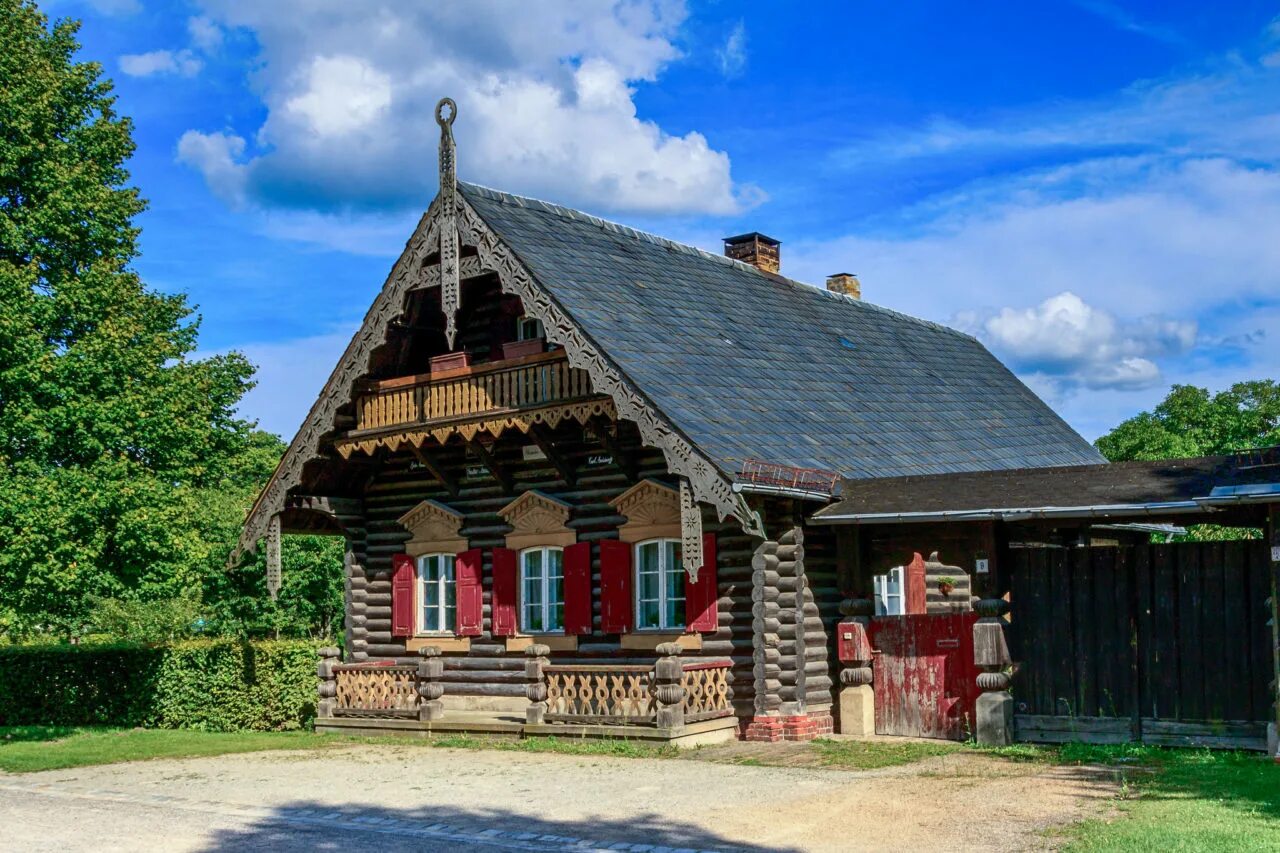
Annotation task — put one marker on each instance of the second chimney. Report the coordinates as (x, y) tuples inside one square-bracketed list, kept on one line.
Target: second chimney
[(846, 283), (755, 249)]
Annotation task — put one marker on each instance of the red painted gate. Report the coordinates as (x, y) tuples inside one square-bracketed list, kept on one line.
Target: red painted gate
[(924, 676)]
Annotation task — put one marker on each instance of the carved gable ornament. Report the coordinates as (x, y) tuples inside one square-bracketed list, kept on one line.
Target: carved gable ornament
[(434, 528), (537, 519)]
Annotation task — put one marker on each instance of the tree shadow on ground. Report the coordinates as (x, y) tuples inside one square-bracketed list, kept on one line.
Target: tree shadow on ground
[(308, 825), (1238, 780)]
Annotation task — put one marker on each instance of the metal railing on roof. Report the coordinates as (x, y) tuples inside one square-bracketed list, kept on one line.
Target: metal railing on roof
[(761, 473)]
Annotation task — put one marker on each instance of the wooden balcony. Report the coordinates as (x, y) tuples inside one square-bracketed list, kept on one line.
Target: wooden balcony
[(471, 393)]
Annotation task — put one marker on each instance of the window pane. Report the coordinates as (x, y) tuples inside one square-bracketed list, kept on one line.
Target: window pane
[(531, 572), (647, 614)]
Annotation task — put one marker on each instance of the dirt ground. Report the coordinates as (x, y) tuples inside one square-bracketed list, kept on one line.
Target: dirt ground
[(416, 798)]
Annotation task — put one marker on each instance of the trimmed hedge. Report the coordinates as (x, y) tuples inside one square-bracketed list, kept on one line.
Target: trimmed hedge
[(211, 685)]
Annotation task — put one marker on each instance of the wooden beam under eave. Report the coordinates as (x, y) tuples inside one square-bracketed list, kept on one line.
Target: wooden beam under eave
[(624, 459), (450, 483), (495, 468), (544, 442)]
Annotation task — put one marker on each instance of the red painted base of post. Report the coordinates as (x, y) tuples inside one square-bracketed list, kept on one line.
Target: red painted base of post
[(800, 727)]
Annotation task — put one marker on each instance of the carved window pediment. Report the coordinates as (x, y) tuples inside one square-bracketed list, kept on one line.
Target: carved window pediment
[(538, 519), (434, 528), (652, 510)]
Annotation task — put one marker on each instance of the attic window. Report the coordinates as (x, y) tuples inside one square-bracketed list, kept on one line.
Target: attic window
[(529, 328), (846, 343)]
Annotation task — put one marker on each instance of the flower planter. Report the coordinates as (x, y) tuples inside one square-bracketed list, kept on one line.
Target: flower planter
[(945, 588), (519, 349), (450, 361)]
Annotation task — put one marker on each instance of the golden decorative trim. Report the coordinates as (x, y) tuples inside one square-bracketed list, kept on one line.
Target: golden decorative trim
[(444, 643), (555, 642), (537, 520), (650, 640), (551, 416), (652, 510)]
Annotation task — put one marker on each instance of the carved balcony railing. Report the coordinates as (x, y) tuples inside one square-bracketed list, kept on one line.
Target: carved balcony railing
[(375, 690), (471, 393)]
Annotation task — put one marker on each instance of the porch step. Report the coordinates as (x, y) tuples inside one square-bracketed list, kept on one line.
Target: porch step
[(491, 724)]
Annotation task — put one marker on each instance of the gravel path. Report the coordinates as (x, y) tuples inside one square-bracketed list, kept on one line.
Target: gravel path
[(419, 798)]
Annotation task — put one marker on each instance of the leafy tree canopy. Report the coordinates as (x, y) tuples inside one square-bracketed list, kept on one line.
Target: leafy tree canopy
[(123, 468), (1190, 421)]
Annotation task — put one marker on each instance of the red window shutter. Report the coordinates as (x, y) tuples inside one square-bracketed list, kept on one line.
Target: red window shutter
[(701, 598), (502, 603), (402, 598), (615, 586), (577, 588), (470, 592)]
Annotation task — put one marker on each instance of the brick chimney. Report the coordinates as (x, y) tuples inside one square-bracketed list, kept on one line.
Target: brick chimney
[(846, 283), (755, 249)]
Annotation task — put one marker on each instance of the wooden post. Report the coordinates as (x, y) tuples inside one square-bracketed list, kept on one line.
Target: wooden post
[(668, 686), (430, 688), (857, 696), (1273, 541), (536, 683), (991, 654), (328, 687)]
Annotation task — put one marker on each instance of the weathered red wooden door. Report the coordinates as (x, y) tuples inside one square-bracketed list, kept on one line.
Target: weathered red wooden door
[(924, 676)]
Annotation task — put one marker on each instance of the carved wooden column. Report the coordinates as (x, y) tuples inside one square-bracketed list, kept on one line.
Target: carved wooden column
[(668, 686), (535, 689), (765, 623), (991, 655), (857, 696), (430, 686), (328, 687)]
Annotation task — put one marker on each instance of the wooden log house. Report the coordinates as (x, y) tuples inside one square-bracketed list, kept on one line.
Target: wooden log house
[(574, 464)]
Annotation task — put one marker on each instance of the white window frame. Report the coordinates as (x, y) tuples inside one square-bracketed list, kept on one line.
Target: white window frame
[(537, 327), (891, 603), (545, 587), (664, 594), (446, 582)]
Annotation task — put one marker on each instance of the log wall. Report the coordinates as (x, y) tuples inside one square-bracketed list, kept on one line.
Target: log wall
[(488, 669)]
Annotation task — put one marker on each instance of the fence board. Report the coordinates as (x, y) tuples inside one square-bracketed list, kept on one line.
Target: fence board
[(1160, 637)]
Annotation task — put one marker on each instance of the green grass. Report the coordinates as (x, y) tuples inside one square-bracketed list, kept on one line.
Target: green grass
[(1184, 800), (614, 748), (25, 749), (870, 755)]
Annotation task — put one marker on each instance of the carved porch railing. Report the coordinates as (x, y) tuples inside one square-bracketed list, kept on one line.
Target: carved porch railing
[(504, 387), (376, 690), (667, 694)]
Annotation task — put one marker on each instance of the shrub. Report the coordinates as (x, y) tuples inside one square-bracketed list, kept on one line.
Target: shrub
[(212, 685)]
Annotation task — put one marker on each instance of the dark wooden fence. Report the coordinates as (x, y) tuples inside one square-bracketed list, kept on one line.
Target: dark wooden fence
[(1166, 644)]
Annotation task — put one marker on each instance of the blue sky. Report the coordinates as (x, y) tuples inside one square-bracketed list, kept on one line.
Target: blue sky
[(1092, 188)]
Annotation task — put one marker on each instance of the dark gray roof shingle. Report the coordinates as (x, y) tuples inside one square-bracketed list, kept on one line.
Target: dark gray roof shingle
[(749, 364)]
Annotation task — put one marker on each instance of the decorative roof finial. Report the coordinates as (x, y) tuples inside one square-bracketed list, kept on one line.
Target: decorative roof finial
[(450, 287)]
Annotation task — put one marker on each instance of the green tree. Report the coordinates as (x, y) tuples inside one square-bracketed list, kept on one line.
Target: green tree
[(1190, 421), (123, 468)]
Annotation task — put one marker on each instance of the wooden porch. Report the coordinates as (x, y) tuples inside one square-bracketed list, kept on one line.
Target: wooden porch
[(671, 701)]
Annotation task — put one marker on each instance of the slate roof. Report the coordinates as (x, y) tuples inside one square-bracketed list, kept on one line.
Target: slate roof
[(748, 364), (1156, 485)]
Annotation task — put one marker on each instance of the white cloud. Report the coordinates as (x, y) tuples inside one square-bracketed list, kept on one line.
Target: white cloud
[(1075, 344), (732, 55), (343, 94), (546, 105), (205, 34), (215, 155), (181, 62)]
